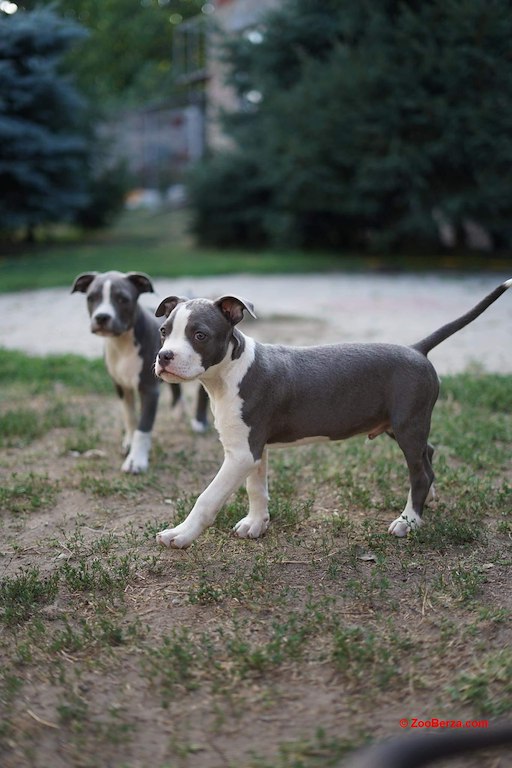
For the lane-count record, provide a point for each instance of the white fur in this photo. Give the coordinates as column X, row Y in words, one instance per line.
column 222, row 383
column 508, row 283
column 186, row 362
column 106, row 307
column 198, row 427
column 257, row 521
column 123, row 360
column 138, row 458
column 409, row 520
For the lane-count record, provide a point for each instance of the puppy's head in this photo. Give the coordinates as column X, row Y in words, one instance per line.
column 112, row 299
column 197, row 334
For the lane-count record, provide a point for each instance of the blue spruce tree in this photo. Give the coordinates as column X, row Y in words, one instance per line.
column 43, row 124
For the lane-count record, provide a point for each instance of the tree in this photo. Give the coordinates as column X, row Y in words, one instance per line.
column 127, row 57
column 375, row 120
column 43, row 125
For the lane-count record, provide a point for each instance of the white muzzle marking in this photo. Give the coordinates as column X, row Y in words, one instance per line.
column 185, row 363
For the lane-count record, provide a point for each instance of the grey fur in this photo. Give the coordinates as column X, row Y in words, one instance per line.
column 334, row 391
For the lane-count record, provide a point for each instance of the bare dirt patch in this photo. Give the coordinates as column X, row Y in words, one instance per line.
column 287, row 651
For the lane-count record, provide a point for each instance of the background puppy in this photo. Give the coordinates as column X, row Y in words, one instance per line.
column 132, row 340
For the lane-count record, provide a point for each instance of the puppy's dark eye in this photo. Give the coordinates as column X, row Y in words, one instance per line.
column 162, row 332
column 200, row 336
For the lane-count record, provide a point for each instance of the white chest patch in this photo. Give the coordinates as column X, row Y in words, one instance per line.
column 222, row 383
column 123, row 361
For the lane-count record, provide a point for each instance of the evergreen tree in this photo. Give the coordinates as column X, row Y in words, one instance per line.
column 377, row 119
column 43, row 126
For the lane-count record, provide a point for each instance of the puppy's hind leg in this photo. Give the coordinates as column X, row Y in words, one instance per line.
column 431, row 495
column 418, row 454
column 257, row 521
column 427, row 459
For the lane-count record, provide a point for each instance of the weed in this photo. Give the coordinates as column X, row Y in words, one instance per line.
column 466, row 583
column 175, row 663
column 105, row 576
column 488, row 687
column 27, row 492
column 21, row 595
column 361, row 655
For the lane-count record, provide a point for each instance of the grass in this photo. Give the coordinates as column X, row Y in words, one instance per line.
column 160, row 244
column 289, row 651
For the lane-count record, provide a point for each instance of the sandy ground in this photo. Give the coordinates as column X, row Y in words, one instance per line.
column 304, row 309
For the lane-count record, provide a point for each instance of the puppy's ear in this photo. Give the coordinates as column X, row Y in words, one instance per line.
column 167, row 305
column 232, row 307
column 83, row 281
column 141, row 281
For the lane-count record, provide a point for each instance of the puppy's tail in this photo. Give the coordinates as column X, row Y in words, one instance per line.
column 425, row 345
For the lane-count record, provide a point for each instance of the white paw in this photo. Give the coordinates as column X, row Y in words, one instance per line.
column 138, row 459
column 134, row 465
column 179, row 537
column 405, row 523
column 198, row 426
column 252, row 527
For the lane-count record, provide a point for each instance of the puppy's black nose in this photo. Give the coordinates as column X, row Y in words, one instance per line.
column 165, row 356
column 101, row 319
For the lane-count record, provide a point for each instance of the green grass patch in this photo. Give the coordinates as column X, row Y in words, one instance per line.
column 44, row 374
column 27, row 492
column 21, row 425
column 160, row 243
column 22, row 595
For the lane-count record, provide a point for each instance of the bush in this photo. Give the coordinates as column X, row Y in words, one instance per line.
column 376, row 121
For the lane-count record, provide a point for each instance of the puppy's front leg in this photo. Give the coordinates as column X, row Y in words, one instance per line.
column 137, row 459
column 230, row 477
column 127, row 397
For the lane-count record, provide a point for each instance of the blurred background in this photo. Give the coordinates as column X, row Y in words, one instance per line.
column 283, row 135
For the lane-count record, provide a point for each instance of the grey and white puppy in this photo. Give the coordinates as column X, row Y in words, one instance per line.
column 265, row 394
column 132, row 339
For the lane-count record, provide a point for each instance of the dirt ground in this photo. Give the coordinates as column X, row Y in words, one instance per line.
column 288, row 651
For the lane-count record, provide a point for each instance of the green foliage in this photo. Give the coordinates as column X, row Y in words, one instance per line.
column 376, row 121
column 43, row 146
column 127, row 56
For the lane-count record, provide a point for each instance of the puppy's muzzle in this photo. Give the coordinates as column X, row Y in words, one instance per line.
column 165, row 356
column 102, row 323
